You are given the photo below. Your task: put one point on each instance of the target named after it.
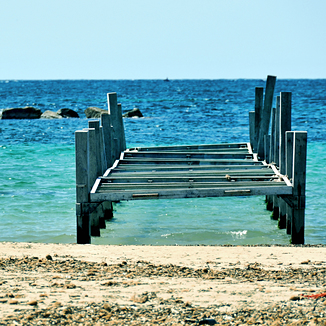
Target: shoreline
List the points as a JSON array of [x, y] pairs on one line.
[[219, 281]]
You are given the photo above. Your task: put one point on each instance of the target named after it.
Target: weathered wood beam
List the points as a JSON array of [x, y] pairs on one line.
[[190, 193], [275, 214], [82, 186], [289, 137], [259, 102], [285, 125], [299, 186], [266, 114]]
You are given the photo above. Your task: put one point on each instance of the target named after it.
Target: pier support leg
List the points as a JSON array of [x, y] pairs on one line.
[[285, 125], [95, 224], [266, 114], [83, 225], [299, 186], [82, 186], [289, 135], [107, 210]]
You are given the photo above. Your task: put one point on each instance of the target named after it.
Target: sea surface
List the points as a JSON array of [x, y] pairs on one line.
[[37, 160]]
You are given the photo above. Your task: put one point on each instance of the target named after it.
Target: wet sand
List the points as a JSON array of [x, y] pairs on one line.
[[72, 284]]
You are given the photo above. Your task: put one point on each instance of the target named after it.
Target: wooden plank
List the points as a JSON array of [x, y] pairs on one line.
[[210, 150], [194, 147], [266, 114], [129, 168], [194, 178], [180, 161], [299, 186], [267, 173], [188, 155], [192, 193], [105, 187]]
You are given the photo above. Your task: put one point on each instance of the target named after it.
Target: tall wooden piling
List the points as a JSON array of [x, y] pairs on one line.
[[259, 102], [82, 186], [117, 124], [276, 155], [285, 125], [289, 137], [266, 114], [252, 131], [107, 137], [299, 186]]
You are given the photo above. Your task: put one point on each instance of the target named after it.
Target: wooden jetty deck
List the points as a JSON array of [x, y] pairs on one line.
[[273, 165]]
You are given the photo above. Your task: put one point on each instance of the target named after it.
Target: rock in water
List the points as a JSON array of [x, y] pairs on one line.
[[50, 115], [94, 112], [68, 113], [133, 113], [27, 112]]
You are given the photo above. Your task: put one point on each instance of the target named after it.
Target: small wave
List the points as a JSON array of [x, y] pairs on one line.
[[238, 234]]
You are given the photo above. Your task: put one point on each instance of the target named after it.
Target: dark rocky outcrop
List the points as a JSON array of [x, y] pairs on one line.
[[27, 112], [133, 113], [68, 113], [50, 115], [93, 112]]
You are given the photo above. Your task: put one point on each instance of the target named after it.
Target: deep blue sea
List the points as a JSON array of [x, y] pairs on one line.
[[37, 175]]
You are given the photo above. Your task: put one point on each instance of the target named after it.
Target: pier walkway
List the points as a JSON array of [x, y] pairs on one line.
[[272, 165]]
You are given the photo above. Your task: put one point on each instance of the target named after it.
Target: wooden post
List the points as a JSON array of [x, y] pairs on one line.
[[123, 137], [116, 122], [266, 114], [107, 137], [102, 149], [266, 147], [299, 186], [92, 154], [275, 214], [269, 199], [95, 124], [289, 136], [82, 186], [277, 132], [252, 131], [272, 138], [259, 101], [108, 145], [285, 125]]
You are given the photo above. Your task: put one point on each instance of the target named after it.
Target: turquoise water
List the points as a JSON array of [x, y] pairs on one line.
[[37, 175], [38, 204]]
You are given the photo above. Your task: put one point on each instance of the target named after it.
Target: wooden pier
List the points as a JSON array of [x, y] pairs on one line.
[[272, 164]]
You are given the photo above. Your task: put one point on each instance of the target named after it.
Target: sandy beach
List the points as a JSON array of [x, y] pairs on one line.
[[71, 284]]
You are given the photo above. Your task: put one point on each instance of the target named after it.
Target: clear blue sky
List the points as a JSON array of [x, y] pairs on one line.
[[145, 39]]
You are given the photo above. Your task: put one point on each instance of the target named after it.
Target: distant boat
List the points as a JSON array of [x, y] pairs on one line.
[[166, 79]]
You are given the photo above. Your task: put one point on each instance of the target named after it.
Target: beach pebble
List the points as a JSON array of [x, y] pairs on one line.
[[32, 303]]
